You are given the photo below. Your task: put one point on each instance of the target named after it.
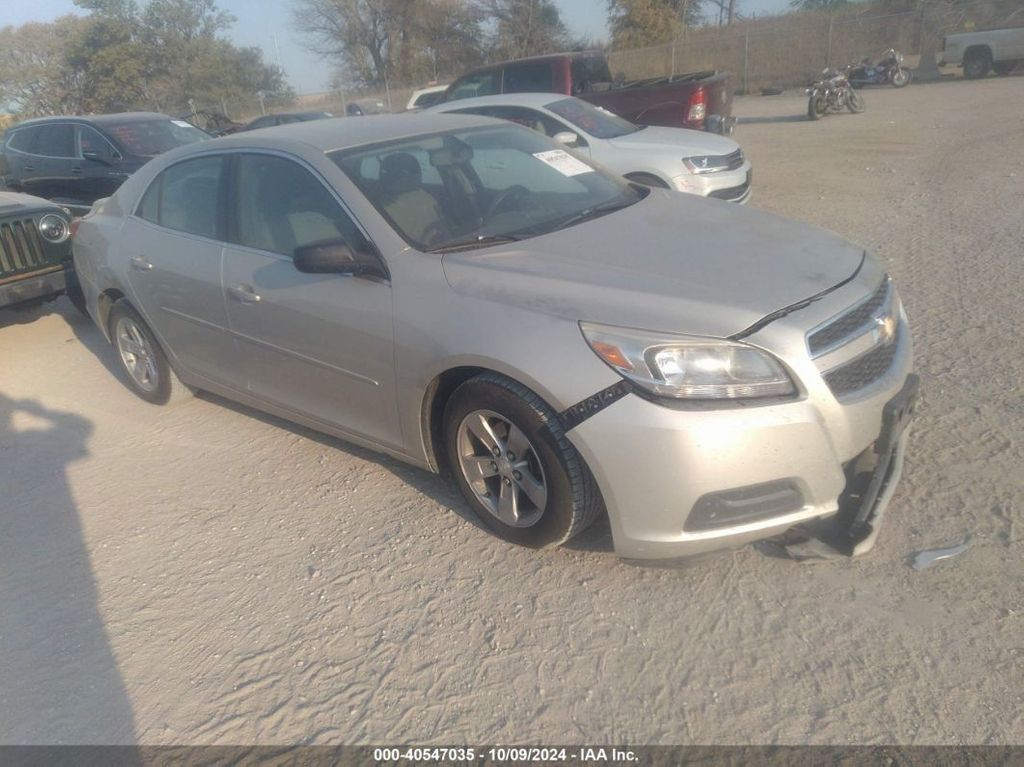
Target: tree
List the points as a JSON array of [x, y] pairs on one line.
[[639, 23], [524, 27], [817, 5], [34, 76]]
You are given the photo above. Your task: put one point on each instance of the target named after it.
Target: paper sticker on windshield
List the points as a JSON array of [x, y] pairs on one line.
[[182, 123], [563, 162]]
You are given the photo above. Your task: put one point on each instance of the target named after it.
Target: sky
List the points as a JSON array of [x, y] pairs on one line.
[[267, 24]]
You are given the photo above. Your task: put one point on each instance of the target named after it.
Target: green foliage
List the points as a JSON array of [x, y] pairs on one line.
[[639, 23], [118, 58]]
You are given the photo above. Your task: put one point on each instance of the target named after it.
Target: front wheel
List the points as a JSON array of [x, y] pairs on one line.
[[901, 77], [977, 63], [141, 359], [854, 101], [816, 106], [514, 465]]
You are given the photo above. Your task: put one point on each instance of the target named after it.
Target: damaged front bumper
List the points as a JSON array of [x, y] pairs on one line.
[[872, 478]]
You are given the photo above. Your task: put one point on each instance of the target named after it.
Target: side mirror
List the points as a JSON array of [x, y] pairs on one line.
[[336, 257], [95, 155], [566, 137]]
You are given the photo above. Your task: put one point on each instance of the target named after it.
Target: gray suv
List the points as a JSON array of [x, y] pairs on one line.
[[463, 294]]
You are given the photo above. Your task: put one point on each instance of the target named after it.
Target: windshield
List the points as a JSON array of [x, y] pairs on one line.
[[599, 123], [151, 137], [473, 187]]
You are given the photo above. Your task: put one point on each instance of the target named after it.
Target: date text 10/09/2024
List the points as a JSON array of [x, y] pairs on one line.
[[504, 754]]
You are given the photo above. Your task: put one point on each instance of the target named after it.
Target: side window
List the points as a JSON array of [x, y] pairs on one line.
[[483, 84], [90, 140], [56, 140], [149, 206], [281, 206], [23, 140], [528, 78], [190, 196]]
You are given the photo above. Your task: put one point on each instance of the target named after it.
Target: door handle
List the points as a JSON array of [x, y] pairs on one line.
[[77, 171], [244, 293], [29, 168], [140, 263]]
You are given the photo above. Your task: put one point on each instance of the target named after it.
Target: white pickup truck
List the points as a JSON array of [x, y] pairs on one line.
[[980, 52]]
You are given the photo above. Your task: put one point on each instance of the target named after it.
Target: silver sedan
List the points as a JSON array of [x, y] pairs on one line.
[[690, 161], [465, 295]]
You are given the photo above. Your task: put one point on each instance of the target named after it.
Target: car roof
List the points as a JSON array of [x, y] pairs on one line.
[[119, 118], [347, 132], [502, 99]]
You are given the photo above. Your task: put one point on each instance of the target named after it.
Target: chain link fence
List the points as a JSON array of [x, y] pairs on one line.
[[773, 52]]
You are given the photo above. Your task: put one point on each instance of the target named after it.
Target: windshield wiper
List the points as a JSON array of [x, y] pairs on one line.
[[478, 241], [595, 212]]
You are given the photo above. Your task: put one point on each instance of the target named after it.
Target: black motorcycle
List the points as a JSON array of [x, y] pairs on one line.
[[888, 71], [831, 93]]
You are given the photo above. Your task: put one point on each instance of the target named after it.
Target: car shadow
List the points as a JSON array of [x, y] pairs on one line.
[[59, 679]]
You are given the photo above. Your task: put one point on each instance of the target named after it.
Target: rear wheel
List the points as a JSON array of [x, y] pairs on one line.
[[142, 360], [514, 465], [977, 63]]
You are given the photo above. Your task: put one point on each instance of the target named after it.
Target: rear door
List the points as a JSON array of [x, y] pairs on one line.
[[323, 344], [174, 246], [18, 157], [48, 172]]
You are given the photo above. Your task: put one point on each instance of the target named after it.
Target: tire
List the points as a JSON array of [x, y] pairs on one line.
[[855, 102], [815, 107], [77, 298], [151, 377], [647, 180], [901, 78], [977, 63], [503, 492]]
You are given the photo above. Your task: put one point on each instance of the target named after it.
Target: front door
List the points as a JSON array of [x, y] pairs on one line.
[[323, 344], [174, 249]]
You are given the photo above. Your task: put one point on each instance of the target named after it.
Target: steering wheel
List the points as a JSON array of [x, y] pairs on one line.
[[516, 192]]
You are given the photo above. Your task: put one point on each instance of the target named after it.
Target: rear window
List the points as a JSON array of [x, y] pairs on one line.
[[22, 140], [528, 78], [151, 137]]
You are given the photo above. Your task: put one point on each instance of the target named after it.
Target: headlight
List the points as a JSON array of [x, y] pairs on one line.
[[689, 367], [53, 228], [707, 163]]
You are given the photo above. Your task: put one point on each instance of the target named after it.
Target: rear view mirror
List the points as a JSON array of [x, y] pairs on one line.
[[566, 137], [336, 257]]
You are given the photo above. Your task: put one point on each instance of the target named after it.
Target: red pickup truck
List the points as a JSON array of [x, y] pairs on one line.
[[699, 100]]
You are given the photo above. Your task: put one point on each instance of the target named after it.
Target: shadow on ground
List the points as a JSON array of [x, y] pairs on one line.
[[59, 680]]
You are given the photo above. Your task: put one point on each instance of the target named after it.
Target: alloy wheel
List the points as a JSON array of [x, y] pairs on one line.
[[502, 468], [137, 354]]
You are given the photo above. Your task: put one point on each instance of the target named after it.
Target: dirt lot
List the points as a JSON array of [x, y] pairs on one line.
[[204, 574]]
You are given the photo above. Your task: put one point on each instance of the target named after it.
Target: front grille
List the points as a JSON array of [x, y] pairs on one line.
[[21, 249], [864, 370], [733, 192], [851, 324], [735, 159]]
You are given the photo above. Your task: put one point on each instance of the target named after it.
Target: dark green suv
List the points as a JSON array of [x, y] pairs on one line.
[[35, 250]]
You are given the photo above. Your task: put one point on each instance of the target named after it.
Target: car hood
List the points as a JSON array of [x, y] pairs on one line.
[[672, 262], [689, 142], [14, 202]]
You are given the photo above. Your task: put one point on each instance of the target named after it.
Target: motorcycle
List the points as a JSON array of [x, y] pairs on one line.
[[888, 71], [831, 93]]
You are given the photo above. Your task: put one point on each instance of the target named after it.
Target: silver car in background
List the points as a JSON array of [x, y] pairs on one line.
[[690, 161], [463, 294]]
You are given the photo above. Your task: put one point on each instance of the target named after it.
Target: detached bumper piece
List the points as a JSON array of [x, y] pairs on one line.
[[871, 480]]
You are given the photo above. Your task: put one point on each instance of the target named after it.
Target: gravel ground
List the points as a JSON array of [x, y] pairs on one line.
[[206, 574]]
